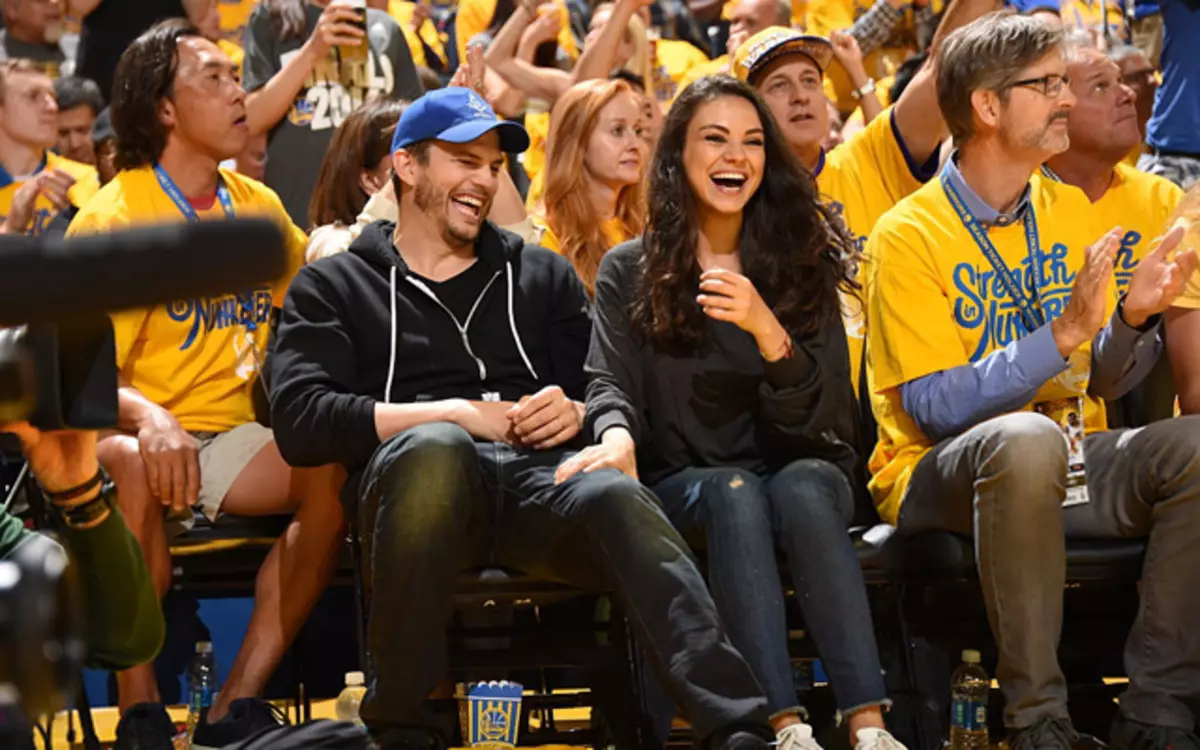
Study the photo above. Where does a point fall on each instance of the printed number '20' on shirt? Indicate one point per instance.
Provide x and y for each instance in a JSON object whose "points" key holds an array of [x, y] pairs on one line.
{"points": [[193, 357], [86, 185], [861, 180], [935, 304], [334, 89]]}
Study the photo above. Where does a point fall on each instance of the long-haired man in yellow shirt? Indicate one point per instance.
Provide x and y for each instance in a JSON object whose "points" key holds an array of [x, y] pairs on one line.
{"points": [[187, 436], [995, 337]]}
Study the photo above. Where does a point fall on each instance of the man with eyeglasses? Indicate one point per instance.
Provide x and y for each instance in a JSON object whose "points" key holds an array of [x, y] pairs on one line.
{"points": [[994, 318]]}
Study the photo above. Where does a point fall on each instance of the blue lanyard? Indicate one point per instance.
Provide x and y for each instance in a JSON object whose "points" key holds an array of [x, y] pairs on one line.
{"points": [[172, 190], [1031, 313]]}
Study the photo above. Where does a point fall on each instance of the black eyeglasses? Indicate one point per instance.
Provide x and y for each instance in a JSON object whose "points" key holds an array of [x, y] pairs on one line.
{"points": [[1047, 85]]}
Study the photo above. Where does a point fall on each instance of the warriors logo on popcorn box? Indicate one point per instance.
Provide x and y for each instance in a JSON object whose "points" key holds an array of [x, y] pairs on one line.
{"points": [[490, 713]]}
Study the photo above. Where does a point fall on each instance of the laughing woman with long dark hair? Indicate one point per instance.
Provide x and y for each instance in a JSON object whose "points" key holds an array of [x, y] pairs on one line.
{"points": [[720, 372]]}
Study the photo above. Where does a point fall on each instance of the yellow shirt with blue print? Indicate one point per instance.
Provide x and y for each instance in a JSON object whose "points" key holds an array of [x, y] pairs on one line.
{"points": [[86, 184], [935, 303], [1142, 205], [197, 358]]}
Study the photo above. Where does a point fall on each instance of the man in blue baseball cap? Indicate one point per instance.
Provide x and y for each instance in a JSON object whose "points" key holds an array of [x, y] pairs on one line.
{"points": [[440, 360]]}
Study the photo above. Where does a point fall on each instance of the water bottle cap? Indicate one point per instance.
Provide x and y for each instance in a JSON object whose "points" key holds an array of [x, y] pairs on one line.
{"points": [[970, 656], [204, 647], [355, 679]]}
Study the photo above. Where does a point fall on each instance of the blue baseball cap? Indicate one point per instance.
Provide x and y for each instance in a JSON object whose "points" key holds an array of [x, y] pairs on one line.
{"points": [[455, 115]]}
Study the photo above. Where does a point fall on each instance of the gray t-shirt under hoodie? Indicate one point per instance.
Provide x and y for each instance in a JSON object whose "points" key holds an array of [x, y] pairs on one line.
{"points": [[333, 90]]}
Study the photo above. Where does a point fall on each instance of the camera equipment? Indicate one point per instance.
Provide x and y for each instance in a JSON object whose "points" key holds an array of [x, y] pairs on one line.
{"points": [[41, 636], [58, 370]]}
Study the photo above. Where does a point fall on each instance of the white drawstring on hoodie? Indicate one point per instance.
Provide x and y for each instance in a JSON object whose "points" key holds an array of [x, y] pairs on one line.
{"points": [[512, 324]]}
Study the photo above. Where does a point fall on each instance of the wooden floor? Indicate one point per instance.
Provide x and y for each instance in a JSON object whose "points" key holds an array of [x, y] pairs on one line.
{"points": [[106, 724]]}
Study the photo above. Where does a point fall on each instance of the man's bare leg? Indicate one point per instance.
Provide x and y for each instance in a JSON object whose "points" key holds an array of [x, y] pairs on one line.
{"points": [[295, 572], [143, 513]]}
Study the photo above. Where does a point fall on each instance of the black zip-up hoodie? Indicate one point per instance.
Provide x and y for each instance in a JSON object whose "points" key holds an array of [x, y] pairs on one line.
{"points": [[358, 329]]}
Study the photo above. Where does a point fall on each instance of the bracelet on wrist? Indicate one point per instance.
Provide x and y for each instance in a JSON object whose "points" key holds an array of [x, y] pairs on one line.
{"points": [[866, 89], [781, 352], [84, 514], [72, 496]]}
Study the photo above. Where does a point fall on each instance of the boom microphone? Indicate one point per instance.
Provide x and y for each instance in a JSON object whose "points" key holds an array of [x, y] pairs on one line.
{"points": [[49, 280]]}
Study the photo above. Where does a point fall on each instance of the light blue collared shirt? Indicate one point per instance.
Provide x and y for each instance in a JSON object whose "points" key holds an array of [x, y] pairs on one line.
{"points": [[948, 402]]}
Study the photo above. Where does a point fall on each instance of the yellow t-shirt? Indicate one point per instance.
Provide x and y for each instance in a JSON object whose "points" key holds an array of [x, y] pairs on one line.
{"points": [[1142, 204], [612, 229], [715, 66], [861, 180], [935, 304], [233, 52], [193, 357], [235, 14], [402, 11], [475, 16], [537, 124], [86, 185], [1190, 299], [674, 59]]}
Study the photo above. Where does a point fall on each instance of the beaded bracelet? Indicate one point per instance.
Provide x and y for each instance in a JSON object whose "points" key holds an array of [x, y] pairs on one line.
{"points": [[81, 515]]}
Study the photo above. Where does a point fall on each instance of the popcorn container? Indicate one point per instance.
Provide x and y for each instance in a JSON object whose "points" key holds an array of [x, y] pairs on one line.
{"points": [[490, 713]]}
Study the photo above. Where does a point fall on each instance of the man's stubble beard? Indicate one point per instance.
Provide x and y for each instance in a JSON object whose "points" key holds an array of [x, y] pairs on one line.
{"points": [[434, 202]]}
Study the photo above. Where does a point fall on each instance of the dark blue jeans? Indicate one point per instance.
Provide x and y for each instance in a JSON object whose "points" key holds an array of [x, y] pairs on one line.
{"points": [[434, 502], [740, 518]]}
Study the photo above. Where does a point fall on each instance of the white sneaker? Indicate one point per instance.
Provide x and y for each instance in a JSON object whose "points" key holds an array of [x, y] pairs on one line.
{"points": [[796, 737], [877, 739]]}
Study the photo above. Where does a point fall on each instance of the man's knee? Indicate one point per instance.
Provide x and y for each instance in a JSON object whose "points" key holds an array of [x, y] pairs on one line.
{"points": [[1029, 444], [437, 448], [121, 457], [424, 473], [601, 497]]}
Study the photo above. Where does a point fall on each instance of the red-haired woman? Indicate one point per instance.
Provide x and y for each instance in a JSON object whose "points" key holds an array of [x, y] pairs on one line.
{"points": [[595, 159]]}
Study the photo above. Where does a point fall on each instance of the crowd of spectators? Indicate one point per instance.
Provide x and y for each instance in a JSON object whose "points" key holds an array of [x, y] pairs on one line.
{"points": [[582, 288]]}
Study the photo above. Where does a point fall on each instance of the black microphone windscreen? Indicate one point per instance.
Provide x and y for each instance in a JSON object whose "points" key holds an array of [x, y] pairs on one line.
{"points": [[43, 281]]}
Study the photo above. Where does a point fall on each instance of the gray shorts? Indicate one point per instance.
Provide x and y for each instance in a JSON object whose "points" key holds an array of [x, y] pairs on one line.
{"points": [[223, 458]]}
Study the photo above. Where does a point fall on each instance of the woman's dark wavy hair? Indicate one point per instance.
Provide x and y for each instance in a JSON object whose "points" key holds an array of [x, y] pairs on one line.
{"points": [[145, 76], [794, 249]]}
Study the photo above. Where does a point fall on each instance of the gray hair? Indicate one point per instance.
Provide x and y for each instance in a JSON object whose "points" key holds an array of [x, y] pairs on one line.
{"points": [[988, 54], [1122, 51]]}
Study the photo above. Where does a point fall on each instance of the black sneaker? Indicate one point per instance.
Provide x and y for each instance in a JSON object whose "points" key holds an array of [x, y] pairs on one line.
{"points": [[1045, 734], [246, 718], [1127, 734], [403, 738], [741, 737], [145, 726]]}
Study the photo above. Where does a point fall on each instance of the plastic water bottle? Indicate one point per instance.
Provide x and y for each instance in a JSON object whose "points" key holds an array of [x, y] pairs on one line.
{"points": [[969, 704], [351, 698], [202, 686]]}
